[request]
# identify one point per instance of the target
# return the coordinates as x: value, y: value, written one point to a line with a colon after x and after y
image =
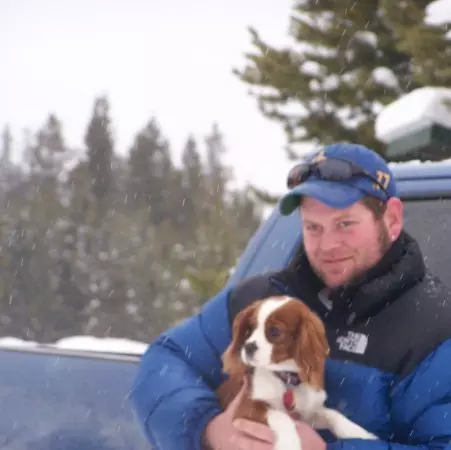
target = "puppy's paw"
x: 320, y: 420
x: 284, y: 428
x: 341, y: 426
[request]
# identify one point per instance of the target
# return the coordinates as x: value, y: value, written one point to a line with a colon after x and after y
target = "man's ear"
x: 394, y: 218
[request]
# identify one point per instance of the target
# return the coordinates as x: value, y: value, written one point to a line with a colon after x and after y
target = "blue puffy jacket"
x: 398, y: 388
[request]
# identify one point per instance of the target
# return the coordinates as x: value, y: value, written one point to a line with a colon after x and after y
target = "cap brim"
x: 333, y: 194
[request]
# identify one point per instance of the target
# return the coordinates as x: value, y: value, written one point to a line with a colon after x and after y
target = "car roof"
x: 414, y: 170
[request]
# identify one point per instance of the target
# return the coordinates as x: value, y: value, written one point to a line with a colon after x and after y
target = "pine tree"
x: 46, y: 155
x: 48, y: 152
x: 100, y: 152
x: 150, y: 172
x: 136, y: 273
x: 193, y: 176
x: 192, y: 188
x: 10, y: 174
x: 220, y: 231
x: 426, y: 43
x: 218, y: 174
x: 5, y: 155
x: 348, y: 59
x: 37, y: 266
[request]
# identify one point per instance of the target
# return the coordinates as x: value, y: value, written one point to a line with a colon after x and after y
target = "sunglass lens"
x: 297, y: 175
x: 334, y: 169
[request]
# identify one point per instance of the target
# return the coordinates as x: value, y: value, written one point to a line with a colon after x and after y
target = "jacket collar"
x: 398, y: 270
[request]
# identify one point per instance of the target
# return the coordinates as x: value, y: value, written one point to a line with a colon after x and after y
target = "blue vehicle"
x: 55, y: 399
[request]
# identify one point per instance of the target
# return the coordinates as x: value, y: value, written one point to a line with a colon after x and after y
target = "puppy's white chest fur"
x: 308, y: 400
x: 269, y: 388
x: 266, y: 387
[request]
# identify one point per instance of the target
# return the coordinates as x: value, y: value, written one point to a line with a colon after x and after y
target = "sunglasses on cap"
x: 330, y: 169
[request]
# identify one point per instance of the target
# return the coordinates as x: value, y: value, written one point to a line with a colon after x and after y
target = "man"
x: 388, y: 324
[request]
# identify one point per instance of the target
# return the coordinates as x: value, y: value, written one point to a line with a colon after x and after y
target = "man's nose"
x: 250, y: 348
x: 329, y: 241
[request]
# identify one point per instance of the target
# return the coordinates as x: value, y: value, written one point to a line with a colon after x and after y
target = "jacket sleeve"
x: 173, y: 392
x: 421, y: 409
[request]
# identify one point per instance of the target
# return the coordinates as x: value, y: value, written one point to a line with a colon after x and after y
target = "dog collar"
x: 289, y: 378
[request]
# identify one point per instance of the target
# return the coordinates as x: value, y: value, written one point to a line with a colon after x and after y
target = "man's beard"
x: 384, y: 239
x: 384, y: 243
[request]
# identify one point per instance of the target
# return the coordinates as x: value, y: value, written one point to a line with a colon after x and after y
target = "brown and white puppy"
x: 280, y: 345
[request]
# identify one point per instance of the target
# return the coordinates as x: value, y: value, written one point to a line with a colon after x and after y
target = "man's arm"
x: 173, y: 393
x: 421, y: 409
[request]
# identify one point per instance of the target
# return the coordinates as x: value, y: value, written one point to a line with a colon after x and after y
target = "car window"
x: 278, y: 247
x: 429, y: 221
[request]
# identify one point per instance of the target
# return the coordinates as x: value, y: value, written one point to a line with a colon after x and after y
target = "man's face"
x: 342, y: 244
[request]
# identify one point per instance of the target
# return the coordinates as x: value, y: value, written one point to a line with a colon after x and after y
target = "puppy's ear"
x: 232, y: 362
x: 311, y: 349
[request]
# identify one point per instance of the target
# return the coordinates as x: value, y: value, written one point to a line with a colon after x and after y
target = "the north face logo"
x: 353, y: 342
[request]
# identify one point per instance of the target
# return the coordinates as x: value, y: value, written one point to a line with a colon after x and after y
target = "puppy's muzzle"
x: 250, y: 348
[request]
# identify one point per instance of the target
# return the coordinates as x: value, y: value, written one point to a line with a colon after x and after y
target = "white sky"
x: 173, y: 59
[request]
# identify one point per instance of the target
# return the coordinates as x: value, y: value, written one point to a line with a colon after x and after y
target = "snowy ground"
x: 85, y: 343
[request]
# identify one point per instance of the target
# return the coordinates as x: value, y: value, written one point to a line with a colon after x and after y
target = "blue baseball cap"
x: 343, y: 193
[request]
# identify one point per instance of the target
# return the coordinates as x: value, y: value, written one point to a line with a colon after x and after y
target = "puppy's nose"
x: 250, y: 348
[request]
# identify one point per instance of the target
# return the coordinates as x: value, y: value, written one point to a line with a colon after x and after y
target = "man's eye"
x: 346, y: 224
x: 312, y: 228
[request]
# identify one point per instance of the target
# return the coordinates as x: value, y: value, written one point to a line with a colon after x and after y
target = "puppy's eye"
x: 274, y: 332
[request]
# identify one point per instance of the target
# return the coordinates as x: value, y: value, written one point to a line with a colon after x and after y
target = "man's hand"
x: 223, y: 433
x: 256, y: 436
x: 220, y: 432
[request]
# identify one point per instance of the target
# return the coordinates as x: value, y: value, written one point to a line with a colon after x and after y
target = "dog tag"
x: 288, y: 400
